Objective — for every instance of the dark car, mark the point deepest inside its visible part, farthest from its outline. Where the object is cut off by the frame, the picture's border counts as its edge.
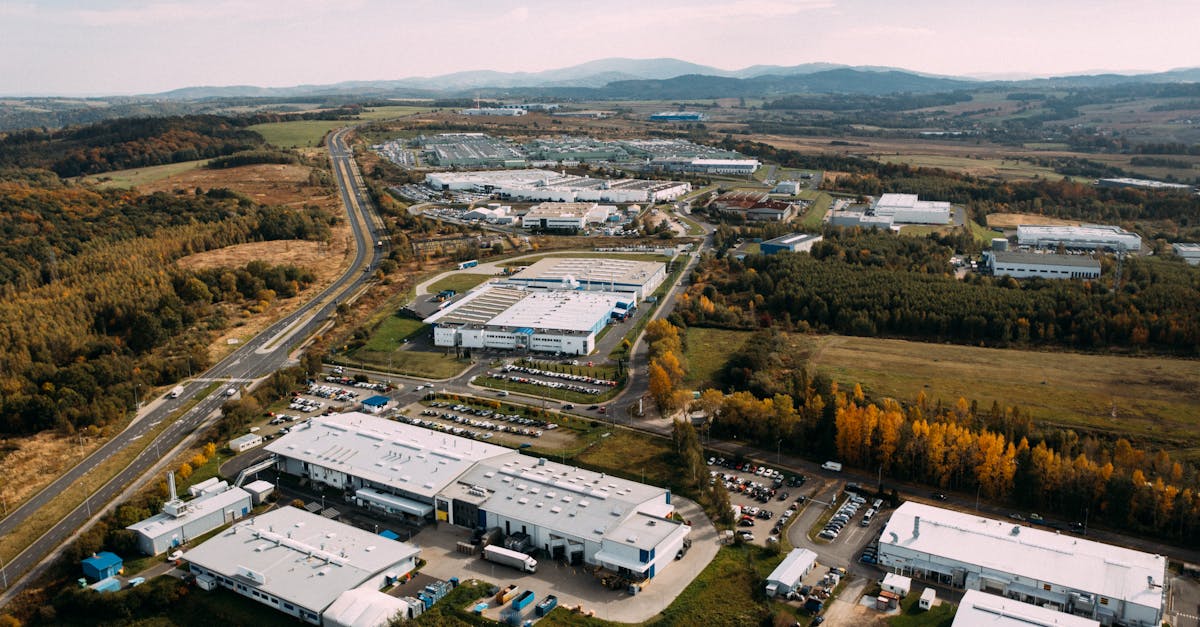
(939, 496)
(783, 496)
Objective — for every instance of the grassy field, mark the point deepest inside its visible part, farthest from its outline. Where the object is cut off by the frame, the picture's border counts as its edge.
(1005, 169)
(707, 350)
(911, 615)
(982, 234)
(142, 176)
(301, 133)
(459, 282)
(429, 364)
(815, 213)
(1150, 399)
(391, 333)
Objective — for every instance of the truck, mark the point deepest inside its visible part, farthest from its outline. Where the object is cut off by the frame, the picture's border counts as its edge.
(175, 392)
(523, 600)
(507, 557)
(468, 264)
(834, 466)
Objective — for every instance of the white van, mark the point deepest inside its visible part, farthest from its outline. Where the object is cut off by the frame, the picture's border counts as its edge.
(834, 466)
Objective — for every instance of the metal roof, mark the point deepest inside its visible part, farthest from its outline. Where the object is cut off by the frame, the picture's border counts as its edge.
(1037, 554)
(590, 270)
(1045, 259)
(793, 567)
(198, 507)
(299, 557)
(384, 452)
(980, 609)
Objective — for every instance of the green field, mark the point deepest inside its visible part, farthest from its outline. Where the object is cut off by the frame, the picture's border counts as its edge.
(141, 176)
(981, 233)
(391, 333)
(459, 282)
(1150, 399)
(815, 214)
(1006, 169)
(301, 133)
(429, 364)
(911, 615)
(706, 352)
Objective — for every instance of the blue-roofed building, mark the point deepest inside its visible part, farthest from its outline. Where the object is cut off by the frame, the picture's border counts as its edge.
(375, 404)
(102, 566)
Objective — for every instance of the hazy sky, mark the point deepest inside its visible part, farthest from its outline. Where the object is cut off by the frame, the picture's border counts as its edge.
(142, 46)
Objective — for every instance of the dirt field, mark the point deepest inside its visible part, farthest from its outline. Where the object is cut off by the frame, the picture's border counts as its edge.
(37, 460)
(1013, 220)
(272, 184)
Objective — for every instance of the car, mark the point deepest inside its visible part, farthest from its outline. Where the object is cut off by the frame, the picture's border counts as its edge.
(939, 496)
(1036, 518)
(746, 522)
(783, 496)
(1016, 516)
(817, 620)
(827, 534)
(1076, 526)
(568, 406)
(592, 407)
(877, 504)
(746, 536)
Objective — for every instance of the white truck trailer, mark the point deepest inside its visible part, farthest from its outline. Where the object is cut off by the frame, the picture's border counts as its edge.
(516, 559)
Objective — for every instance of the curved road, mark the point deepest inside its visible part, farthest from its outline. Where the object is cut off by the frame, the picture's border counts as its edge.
(267, 352)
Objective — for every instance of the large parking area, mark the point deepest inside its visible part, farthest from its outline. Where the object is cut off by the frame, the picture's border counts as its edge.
(499, 426)
(764, 499)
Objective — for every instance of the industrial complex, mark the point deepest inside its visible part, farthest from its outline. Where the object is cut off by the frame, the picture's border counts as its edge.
(753, 206)
(1106, 583)
(301, 564)
(569, 513)
(890, 210)
(1083, 237)
(213, 504)
(608, 274)
(791, 243)
(550, 216)
(545, 185)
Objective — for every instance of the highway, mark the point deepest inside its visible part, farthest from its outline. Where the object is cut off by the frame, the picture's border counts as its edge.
(264, 354)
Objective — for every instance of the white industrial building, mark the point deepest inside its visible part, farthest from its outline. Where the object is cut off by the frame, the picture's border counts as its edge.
(244, 443)
(1107, 583)
(570, 513)
(705, 166)
(860, 219)
(546, 185)
(792, 243)
(1086, 236)
(387, 466)
(493, 212)
(787, 576)
(564, 215)
(594, 273)
(980, 609)
(1023, 265)
(182, 521)
(1189, 251)
(791, 188)
(301, 564)
(908, 209)
(515, 318)
(1143, 184)
(500, 111)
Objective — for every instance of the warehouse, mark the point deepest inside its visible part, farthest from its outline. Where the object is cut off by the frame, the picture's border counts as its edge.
(570, 513)
(183, 521)
(702, 165)
(1023, 265)
(557, 321)
(564, 216)
(787, 575)
(1189, 252)
(301, 563)
(677, 116)
(1144, 184)
(1107, 583)
(980, 609)
(793, 243)
(594, 273)
(1083, 237)
(908, 209)
(545, 185)
(861, 220)
(388, 466)
(500, 111)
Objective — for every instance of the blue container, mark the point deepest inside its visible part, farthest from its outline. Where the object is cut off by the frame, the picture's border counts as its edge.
(546, 605)
(523, 600)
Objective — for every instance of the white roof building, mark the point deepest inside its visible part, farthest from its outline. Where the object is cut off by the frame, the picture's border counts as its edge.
(183, 521)
(299, 563)
(1189, 251)
(594, 273)
(1020, 265)
(1087, 236)
(564, 215)
(787, 575)
(355, 450)
(908, 209)
(980, 609)
(362, 607)
(1102, 581)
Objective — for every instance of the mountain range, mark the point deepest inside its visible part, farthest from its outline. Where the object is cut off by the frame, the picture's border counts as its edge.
(616, 78)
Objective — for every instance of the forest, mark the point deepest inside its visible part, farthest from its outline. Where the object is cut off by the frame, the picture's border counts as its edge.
(877, 285)
(94, 312)
(126, 143)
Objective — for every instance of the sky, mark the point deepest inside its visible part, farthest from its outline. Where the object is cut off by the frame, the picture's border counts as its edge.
(109, 47)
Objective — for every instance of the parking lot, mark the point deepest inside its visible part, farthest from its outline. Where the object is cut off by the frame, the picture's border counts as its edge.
(580, 384)
(765, 499)
(505, 428)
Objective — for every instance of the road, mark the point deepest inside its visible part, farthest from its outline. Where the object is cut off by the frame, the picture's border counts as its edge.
(264, 354)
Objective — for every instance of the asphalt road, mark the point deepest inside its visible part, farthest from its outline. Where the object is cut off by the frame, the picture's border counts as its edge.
(264, 354)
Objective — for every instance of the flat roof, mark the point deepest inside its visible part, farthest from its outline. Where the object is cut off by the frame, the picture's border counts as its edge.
(1045, 259)
(560, 210)
(1083, 232)
(580, 502)
(980, 608)
(1186, 247)
(300, 557)
(793, 567)
(1146, 183)
(590, 270)
(569, 310)
(1040, 555)
(384, 452)
(479, 305)
(243, 439)
(793, 239)
(198, 507)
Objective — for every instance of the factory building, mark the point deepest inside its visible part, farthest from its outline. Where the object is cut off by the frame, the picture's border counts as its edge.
(606, 274)
(908, 209)
(1106, 583)
(182, 521)
(753, 206)
(569, 513)
(861, 220)
(545, 185)
(301, 564)
(1083, 237)
(677, 116)
(564, 216)
(787, 576)
(515, 318)
(1189, 252)
(390, 467)
(1023, 265)
(1143, 184)
(980, 609)
(793, 243)
(700, 165)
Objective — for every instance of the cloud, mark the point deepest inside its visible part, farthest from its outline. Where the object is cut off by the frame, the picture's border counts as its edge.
(222, 10)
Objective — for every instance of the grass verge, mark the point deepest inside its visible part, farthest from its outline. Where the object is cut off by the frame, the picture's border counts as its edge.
(392, 332)
(74, 495)
(815, 214)
(459, 282)
(911, 614)
(431, 365)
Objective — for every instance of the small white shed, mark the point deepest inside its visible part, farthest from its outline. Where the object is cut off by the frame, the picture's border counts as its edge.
(928, 596)
(245, 443)
(898, 584)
